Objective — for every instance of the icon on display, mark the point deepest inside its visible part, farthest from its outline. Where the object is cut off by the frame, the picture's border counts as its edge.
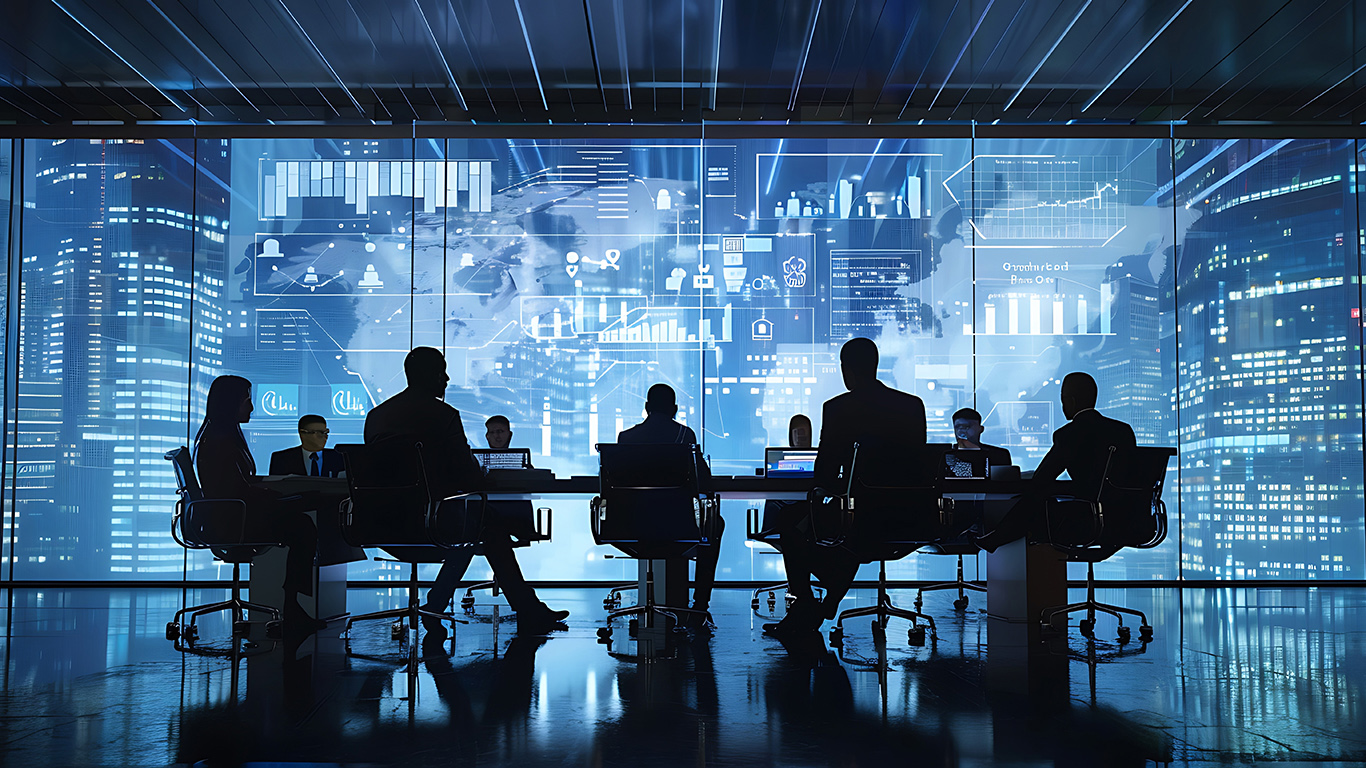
(573, 267)
(732, 244)
(703, 281)
(674, 282)
(371, 278)
(662, 201)
(311, 276)
(762, 330)
(794, 272)
(466, 259)
(613, 255)
(271, 248)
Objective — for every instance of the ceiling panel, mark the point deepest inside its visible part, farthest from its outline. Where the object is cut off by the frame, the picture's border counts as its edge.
(593, 61)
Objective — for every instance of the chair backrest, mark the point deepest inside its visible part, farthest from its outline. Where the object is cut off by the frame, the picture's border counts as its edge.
(896, 493)
(187, 484)
(390, 502)
(652, 495)
(1132, 490)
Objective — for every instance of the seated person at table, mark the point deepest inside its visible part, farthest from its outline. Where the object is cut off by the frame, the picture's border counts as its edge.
(870, 413)
(1082, 448)
(659, 427)
(784, 515)
(311, 456)
(226, 470)
(967, 428)
(418, 413)
(516, 515)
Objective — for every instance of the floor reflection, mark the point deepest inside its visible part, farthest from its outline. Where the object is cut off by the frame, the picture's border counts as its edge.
(1233, 675)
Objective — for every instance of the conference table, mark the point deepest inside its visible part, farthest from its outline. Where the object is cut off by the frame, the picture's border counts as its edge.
(1023, 579)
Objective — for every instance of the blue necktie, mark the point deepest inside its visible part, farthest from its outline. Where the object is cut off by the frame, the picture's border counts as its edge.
(314, 472)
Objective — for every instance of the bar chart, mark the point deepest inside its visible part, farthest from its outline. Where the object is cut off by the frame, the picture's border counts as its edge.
(433, 184)
(1027, 314)
(623, 320)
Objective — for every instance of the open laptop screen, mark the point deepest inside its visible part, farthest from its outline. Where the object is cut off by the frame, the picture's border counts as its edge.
(790, 462)
(966, 465)
(507, 458)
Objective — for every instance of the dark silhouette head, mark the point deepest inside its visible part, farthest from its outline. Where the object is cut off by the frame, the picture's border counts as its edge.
(858, 363)
(1078, 393)
(661, 399)
(227, 409)
(799, 432)
(425, 368)
(498, 432)
(967, 427)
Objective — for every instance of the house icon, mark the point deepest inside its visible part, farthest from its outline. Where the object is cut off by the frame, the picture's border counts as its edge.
(762, 330)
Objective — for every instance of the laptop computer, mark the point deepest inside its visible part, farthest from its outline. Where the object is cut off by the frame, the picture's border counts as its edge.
(505, 458)
(790, 462)
(966, 465)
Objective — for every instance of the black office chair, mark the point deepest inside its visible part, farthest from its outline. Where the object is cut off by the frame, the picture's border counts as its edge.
(959, 547)
(893, 506)
(1128, 511)
(539, 520)
(391, 507)
(217, 525)
(765, 531)
(651, 508)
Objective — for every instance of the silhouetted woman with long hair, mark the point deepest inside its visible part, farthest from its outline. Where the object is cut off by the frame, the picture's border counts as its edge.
(226, 470)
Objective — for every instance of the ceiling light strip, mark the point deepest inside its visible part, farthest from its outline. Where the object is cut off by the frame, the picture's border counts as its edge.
(806, 51)
(961, 53)
(322, 58)
(1145, 47)
(1039, 66)
(110, 48)
(534, 69)
(450, 76)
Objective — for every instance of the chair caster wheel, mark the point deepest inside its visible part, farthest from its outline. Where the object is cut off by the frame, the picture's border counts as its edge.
(919, 603)
(240, 629)
(1145, 634)
(172, 630)
(1088, 628)
(190, 634)
(961, 604)
(754, 604)
(275, 630)
(467, 603)
(916, 636)
(836, 637)
(608, 605)
(788, 600)
(397, 630)
(1124, 635)
(604, 633)
(632, 627)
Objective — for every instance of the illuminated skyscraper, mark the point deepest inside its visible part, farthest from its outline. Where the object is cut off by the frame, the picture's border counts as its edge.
(1270, 398)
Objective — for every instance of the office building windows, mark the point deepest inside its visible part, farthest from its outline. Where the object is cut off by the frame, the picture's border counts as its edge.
(1209, 286)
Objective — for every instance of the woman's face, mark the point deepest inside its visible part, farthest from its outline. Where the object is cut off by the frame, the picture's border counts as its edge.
(244, 412)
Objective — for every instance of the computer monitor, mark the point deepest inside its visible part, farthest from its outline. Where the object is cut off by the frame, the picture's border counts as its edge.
(966, 465)
(503, 458)
(790, 462)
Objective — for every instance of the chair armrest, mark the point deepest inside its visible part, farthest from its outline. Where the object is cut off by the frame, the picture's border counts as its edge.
(176, 518)
(830, 509)
(469, 527)
(223, 520)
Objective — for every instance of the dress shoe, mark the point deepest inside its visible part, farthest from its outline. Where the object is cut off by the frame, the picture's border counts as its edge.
(805, 615)
(541, 622)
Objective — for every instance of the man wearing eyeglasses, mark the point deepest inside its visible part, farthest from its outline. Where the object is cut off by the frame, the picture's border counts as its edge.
(312, 456)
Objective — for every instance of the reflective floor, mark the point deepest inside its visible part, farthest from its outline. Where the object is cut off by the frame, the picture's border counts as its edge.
(1233, 676)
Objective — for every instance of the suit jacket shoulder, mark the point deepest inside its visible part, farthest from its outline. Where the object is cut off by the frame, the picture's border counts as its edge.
(287, 462)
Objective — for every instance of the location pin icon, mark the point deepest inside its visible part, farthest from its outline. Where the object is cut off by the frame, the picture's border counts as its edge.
(572, 269)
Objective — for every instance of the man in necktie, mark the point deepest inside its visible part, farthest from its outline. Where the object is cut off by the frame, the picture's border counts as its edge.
(311, 456)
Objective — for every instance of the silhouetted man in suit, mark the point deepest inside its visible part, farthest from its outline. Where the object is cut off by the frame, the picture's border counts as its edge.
(967, 428)
(659, 427)
(311, 456)
(876, 417)
(419, 414)
(1082, 448)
